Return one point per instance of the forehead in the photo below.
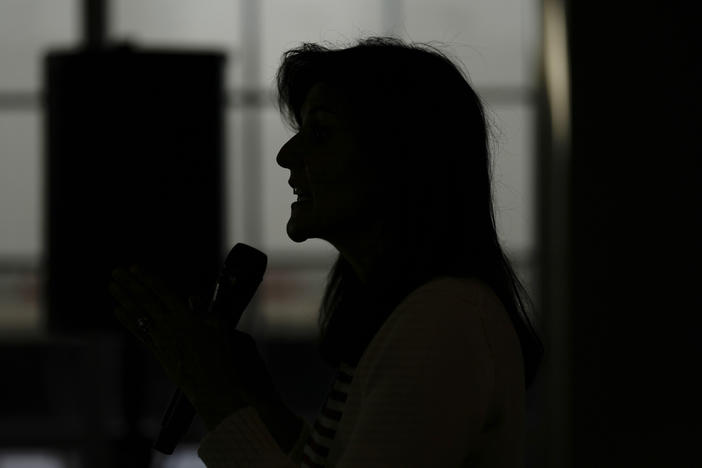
(323, 96)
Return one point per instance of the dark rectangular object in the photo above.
(134, 174)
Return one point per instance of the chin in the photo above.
(296, 235)
(298, 239)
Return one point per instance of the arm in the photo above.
(271, 437)
(283, 425)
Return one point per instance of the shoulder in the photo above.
(469, 289)
(434, 341)
(455, 299)
(443, 317)
(467, 307)
(461, 317)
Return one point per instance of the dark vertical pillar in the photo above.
(94, 19)
(134, 159)
(636, 206)
(133, 174)
(550, 418)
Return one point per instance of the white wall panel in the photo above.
(513, 176)
(495, 39)
(185, 24)
(20, 188)
(27, 29)
(289, 23)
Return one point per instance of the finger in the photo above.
(160, 341)
(126, 318)
(140, 295)
(159, 288)
(123, 299)
(127, 312)
(129, 318)
(196, 304)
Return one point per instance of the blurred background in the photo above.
(595, 120)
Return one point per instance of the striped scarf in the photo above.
(320, 440)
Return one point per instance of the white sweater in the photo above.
(440, 384)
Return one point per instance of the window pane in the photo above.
(234, 185)
(185, 457)
(38, 458)
(290, 299)
(27, 30)
(495, 39)
(20, 193)
(188, 24)
(513, 176)
(288, 23)
(20, 308)
(20, 211)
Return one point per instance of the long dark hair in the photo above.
(427, 140)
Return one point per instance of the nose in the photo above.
(288, 155)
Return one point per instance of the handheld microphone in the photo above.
(240, 277)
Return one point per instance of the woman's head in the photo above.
(328, 166)
(419, 140)
(418, 164)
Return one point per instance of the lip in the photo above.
(296, 185)
(300, 202)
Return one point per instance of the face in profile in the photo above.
(328, 166)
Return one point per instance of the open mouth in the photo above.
(302, 196)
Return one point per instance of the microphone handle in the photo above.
(241, 275)
(172, 430)
(180, 413)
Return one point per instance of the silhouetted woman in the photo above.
(423, 317)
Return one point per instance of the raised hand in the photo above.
(212, 368)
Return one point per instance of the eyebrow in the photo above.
(318, 108)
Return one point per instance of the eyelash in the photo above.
(318, 132)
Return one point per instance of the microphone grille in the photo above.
(244, 260)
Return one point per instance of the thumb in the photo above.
(257, 381)
(196, 304)
(198, 311)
